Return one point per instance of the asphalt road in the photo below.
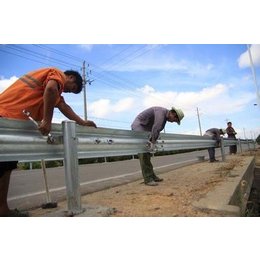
(27, 187)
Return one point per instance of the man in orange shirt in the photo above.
(37, 92)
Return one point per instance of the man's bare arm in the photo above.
(50, 96)
(67, 111)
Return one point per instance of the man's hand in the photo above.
(217, 143)
(89, 123)
(152, 146)
(45, 127)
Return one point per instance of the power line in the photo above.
(128, 81)
(106, 71)
(120, 88)
(115, 126)
(101, 81)
(135, 91)
(102, 119)
(36, 54)
(209, 115)
(25, 57)
(116, 55)
(110, 120)
(53, 50)
(58, 52)
(132, 93)
(138, 56)
(63, 54)
(39, 55)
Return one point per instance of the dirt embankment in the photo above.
(171, 198)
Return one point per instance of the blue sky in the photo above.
(128, 78)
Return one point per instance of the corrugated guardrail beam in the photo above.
(20, 140)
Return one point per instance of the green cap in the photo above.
(179, 113)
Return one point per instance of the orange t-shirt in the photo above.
(27, 93)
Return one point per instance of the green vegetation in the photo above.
(52, 164)
(37, 165)
(258, 139)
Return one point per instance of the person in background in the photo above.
(214, 133)
(153, 120)
(38, 92)
(232, 135)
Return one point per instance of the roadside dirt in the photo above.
(171, 198)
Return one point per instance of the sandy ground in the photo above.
(171, 198)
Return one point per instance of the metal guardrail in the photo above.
(21, 140)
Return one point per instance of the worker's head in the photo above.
(229, 124)
(175, 115)
(222, 131)
(73, 82)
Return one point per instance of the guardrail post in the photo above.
(71, 167)
(239, 145)
(248, 144)
(222, 148)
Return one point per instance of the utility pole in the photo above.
(244, 132)
(84, 87)
(199, 120)
(254, 76)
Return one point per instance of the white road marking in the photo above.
(96, 181)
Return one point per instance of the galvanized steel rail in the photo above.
(21, 140)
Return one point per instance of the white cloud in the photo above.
(181, 99)
(99, 108)
(103, 107)
(209, 67)
(247, 78)
(146, 89)
(123, 105)
(87, 47)
(198, 69)
(5, 83)
(215, 101)
(243, 60)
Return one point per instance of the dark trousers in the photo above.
(233, 149)
(7, 166)
(211, 151)
(146, 166)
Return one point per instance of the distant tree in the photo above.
(258, 139)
